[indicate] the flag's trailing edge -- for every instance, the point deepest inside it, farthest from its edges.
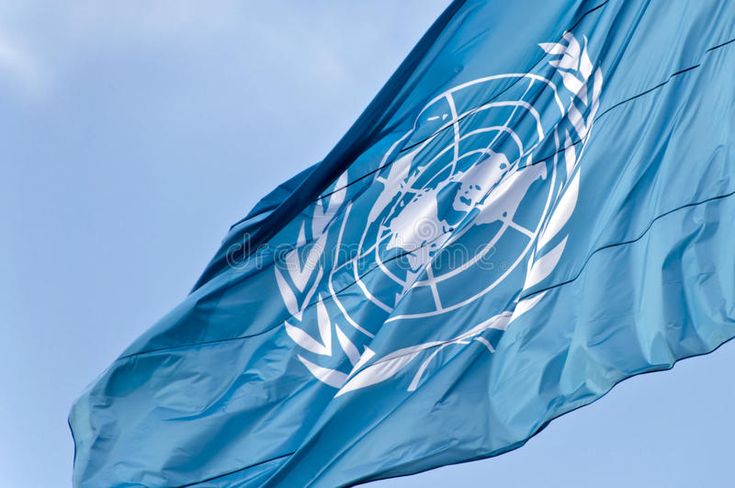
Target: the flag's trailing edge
(538, 205)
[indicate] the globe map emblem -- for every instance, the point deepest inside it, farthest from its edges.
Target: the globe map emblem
(456, 216)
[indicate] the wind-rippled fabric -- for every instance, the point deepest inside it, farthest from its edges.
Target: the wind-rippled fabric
(533, 209)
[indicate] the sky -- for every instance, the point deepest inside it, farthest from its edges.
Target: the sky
(134, 133)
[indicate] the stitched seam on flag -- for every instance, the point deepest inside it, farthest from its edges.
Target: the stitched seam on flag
(633, 98)
(718, 46)
(630, 241)
(468, 114)
(615, 106)
(545, 158)
(439, 343)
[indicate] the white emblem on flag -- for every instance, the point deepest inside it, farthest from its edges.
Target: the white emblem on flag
(450, 180)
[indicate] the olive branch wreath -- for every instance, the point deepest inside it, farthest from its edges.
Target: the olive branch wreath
(572, 62)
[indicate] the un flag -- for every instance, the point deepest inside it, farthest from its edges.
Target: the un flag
(533, 209)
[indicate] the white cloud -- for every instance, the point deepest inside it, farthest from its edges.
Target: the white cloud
(18, 66)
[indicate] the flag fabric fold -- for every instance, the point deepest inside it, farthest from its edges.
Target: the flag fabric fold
(534, 208)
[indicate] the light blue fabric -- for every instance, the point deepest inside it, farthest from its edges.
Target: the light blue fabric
(538, 205)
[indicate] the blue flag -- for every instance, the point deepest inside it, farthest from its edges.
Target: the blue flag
(538, 205)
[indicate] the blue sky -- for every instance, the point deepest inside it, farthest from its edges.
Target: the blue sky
(135, 133)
